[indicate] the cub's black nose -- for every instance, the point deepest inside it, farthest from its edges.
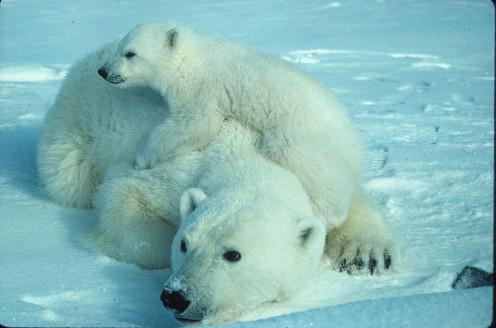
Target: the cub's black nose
(103, 72)
(174, 300)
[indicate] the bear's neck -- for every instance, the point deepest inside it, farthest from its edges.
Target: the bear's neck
(192, 70)
(253, 174)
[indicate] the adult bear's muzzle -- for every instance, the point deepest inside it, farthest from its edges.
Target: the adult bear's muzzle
(174, 300)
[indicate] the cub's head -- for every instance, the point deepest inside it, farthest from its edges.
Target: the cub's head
(143, 57)
(230, 256)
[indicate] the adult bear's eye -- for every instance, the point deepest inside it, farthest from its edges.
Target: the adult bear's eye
(183, 246)
(232, 256)
(129, 54)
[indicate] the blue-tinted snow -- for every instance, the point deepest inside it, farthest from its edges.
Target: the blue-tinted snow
(417, 79)
(463, 308)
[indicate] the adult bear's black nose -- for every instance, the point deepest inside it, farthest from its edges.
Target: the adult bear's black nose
(103, 72)
(174, 300)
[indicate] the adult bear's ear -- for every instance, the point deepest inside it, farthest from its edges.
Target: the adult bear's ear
(311, 234)
(172, 36)
(190, 200)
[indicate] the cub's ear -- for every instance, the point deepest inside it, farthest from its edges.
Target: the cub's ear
(190, 200)
(311, 234)
(172, 36)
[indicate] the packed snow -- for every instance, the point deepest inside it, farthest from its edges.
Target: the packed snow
(417, 78)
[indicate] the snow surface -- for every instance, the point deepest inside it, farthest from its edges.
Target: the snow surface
(467, 308)
(417, 79)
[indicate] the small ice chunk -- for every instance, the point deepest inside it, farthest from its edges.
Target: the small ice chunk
(471, 277)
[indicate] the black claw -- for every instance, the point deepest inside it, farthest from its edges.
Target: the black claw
(359, 263)
(372, 265)
(387, 260)
(342, 265)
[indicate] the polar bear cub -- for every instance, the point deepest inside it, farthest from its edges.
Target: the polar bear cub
(205, 80)
(302, 126)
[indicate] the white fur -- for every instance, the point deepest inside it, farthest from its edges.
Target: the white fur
(90, 127)
(239, 199)
(245, 203)
(88, 142)
(303, 127)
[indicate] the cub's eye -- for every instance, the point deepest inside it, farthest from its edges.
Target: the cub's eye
(129, 54)
(183, 246)
(232, 256)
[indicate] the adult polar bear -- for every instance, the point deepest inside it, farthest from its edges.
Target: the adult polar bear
(302, 126)
(248, 236)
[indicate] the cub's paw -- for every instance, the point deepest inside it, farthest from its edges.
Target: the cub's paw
(146, 159)
(362, 256)
(142, 163)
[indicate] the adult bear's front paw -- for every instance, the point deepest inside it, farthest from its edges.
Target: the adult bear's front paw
(362, 259)
(362, 256)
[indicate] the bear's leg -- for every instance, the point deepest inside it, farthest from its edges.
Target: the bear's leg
(138, 210)
(324, 177)
(363, 243)
(178, 135)
(67, 174)
(136, 224)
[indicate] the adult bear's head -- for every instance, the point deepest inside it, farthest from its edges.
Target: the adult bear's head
(237, 251)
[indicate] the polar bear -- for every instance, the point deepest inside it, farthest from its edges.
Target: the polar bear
(226, 195)
(248, 235)
(302, 126)
(90, 127)
(246, 232)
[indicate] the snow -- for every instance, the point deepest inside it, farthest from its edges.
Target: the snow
(417, 79)
(466, 308)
